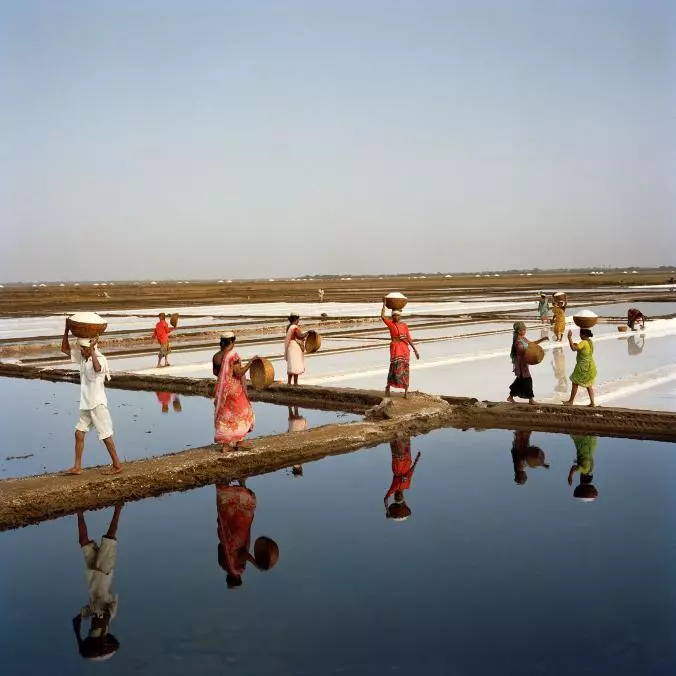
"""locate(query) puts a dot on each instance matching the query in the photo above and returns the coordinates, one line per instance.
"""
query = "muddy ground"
(29, 300)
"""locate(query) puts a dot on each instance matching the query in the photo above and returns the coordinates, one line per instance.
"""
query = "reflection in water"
(559, 366)
(236, 506)
(402, 473)
(99, 560)
(633, 346)
(165, 398)
(524, 455)
(297, 423)
(584, 464)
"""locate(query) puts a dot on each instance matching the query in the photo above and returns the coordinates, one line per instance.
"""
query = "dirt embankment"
(34, 499)
(27, 300)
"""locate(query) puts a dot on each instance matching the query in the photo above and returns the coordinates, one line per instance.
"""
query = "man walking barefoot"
(93, 401)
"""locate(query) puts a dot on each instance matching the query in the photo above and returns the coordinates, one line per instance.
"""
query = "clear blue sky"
(197, 138)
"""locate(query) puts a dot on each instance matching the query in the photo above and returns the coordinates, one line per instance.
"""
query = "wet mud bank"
(34, 499)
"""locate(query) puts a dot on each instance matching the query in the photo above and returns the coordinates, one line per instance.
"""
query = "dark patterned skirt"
(522, 388)
(398, 375)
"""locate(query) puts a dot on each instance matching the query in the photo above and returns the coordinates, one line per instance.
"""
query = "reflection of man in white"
(93, 401)
(99, 559)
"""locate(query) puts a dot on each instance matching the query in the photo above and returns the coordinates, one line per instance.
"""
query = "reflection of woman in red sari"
(233, 414)
(236, 506)
(402, 473)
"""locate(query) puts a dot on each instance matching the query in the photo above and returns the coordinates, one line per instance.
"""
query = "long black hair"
(586, 333)
(292, 318)
(225, 342)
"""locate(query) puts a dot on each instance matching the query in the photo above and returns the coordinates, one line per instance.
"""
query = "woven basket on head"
(313, 342)
(534, 354)
(262, 373)
(173, 320)
(585, 322)
(86, 325)
(395, 302)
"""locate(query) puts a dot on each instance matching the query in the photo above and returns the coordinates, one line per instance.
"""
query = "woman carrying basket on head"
(584, 373)
(401, 345)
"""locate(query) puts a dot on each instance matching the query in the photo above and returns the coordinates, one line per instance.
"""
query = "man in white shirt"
(93, 401)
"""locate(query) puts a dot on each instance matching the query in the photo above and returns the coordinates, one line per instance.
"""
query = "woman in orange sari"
(401, 345)
(233, 414)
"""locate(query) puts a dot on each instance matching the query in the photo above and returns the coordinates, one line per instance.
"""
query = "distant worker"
(584, 373)
(559, 319)
(161, 335)
(94, 412)
(635, 319)
(321, 295)
(401, 345)
(294, 347)
(543, 308)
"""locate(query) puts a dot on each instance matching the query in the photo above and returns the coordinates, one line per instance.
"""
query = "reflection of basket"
(313, 342)
(622, 328)
(262, 373)
(87, 325)
(395, 301)
(585, 322)
(173, 320)
(177, 404)
(534, 354)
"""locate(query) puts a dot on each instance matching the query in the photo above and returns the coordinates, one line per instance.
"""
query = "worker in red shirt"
(161, 335)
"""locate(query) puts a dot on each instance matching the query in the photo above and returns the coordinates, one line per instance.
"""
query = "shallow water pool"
(485, 577)
(38, 418)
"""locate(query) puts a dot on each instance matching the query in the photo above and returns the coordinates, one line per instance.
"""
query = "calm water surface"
(38, 418)
(487, 576)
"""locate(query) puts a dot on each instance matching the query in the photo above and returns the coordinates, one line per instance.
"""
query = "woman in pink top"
(401, 345)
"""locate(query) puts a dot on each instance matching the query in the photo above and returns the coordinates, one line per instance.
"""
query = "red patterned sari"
(233, 415)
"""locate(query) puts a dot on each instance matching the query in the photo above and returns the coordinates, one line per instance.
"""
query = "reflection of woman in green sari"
(584, 464)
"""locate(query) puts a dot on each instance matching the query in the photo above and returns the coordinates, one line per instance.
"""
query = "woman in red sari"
(401, 345)
(233, 414)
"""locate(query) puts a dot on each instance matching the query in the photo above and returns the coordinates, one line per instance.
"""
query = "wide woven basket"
(585, 322)
(262, 373)
(622, 328)
(82, 330)
(313, 342)
(395, 303)
(534, 354)
(173, 320)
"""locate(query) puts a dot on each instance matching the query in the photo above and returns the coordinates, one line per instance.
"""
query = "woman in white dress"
(294, 347)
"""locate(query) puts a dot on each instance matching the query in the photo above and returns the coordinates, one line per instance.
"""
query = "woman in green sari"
(584, 373)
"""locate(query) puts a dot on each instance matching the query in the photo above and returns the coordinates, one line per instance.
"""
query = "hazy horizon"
(157, 139)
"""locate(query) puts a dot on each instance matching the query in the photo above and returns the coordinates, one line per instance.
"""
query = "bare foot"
(114, 470)
(591, 405)
(74, 470)
(532, 402)
(567, 403)
(243, 445)
(510, 399)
